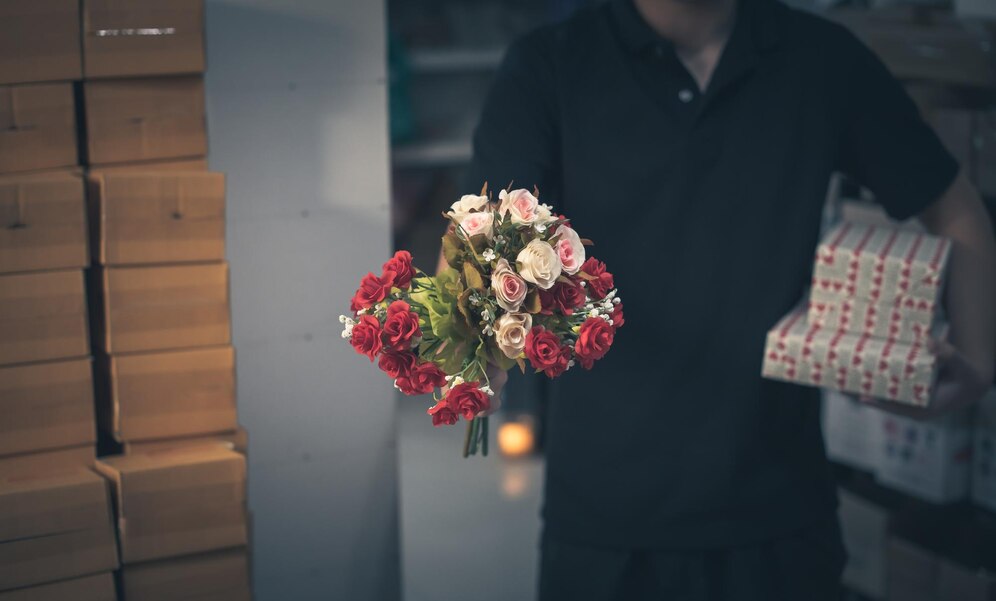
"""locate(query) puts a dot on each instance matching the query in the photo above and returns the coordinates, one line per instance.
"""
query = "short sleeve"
(887, 146)
(516, 139)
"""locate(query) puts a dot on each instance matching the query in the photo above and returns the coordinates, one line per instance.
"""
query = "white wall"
(297, 119)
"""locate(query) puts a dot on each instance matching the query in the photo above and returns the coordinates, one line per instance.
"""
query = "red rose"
(397, 364)
(442, 414)
(401, 266)
(602, 280)
(401, 326)
(546, 353)
(594, 340)
(422, 379)
(366, 336)
(563, 297)
(372, 290)
(468, 400)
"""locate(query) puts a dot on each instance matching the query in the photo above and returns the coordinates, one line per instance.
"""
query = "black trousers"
(805, 566)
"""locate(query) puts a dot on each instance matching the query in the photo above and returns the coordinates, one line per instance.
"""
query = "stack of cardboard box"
(164, 366)
(102, 172)
(56, 533)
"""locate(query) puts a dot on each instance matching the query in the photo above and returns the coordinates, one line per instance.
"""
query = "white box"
(852, 431)
(865, 528)
(984, 453)
(927, 459)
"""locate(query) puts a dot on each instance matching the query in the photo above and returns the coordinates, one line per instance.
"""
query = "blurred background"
(272, 152)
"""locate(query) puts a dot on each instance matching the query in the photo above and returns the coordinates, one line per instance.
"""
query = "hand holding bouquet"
(518, 288)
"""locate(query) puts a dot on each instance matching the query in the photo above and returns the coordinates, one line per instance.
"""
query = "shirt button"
(686, 95)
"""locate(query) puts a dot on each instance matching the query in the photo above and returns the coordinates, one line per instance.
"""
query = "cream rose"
(467, 204)
(509, 288)
(510, 333)
(569, 249)
(478, 223)
(523, 207)
(539, 263)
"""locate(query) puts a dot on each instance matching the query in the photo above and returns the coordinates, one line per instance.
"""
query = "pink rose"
(569, 249)
(510, 289)
(478, 224)
(522, 207)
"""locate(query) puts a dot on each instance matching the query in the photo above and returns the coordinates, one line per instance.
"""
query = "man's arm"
(971, 294)
(887, 146)
(968, 356)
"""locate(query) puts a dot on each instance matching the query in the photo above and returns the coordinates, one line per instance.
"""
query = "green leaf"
(452, 249)
(532, 303)
(472, 276)
(463, 306)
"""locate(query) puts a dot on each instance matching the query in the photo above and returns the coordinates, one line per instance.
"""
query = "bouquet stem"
(467, 437)
(476, 437)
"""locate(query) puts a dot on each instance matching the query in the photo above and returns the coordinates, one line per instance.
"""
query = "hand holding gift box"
(870, 317)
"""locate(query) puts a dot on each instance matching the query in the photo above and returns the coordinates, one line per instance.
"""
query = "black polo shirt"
(706, 206)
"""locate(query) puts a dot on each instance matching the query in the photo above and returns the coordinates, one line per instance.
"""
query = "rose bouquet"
(518, 290)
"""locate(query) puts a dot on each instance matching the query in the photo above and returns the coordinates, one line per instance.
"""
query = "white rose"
(478, 223)
(468, 203)
(510, 333)
(522, 207)
(510, 289)
(539, 263)
(569, 249)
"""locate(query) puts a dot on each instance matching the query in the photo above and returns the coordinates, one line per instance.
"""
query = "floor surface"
(469, 527)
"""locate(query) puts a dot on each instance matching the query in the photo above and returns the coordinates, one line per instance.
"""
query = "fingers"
(943, 349)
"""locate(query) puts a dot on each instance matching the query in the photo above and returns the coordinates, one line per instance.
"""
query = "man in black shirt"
(693, 140)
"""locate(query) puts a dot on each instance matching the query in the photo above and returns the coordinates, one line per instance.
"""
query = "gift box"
(804, 353)
(881, 281)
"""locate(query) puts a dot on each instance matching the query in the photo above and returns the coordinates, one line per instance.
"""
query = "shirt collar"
(760, 17)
